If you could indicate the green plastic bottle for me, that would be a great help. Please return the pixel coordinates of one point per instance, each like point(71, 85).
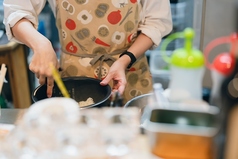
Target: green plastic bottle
point(186, 68)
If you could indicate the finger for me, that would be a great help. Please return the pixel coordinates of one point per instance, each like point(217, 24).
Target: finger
point(119, 86)
point(32, 68)
point(50, 85)
point(106, 80)
point(121, 89)
point(42, 80)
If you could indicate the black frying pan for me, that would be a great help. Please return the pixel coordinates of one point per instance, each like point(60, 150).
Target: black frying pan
point(80, 89)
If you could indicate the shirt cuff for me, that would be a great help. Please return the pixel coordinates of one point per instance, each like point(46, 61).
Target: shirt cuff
point(151, 34)
point(156, 34)
point(13, 19)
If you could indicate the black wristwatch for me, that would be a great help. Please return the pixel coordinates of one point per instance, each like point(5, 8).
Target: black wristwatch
point(132, 57)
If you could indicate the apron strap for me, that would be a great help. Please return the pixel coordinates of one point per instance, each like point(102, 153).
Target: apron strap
point(99, 57)
point(102, 57)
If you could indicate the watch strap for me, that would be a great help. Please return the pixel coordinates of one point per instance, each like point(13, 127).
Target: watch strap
point(132, 57)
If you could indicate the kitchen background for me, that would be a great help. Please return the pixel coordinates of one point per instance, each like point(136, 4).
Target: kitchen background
point(209, 18)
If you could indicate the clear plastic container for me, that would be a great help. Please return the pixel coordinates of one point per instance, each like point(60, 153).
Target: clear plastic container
point(1, 14)
point(159, 68)
point(178, 11)
point(160, 99)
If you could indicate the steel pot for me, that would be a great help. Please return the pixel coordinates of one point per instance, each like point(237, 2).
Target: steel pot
point(141, 102)
point(80, 89)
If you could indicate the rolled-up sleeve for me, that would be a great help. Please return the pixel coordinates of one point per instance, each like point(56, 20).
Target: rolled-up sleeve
point(156, 20)
point(15, 10)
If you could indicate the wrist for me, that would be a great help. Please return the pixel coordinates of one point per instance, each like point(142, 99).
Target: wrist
point(41, 42)
point(131, 59)
point(124, 61)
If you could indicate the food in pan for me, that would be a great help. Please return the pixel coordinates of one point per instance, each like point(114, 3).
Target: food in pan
point(89, 101)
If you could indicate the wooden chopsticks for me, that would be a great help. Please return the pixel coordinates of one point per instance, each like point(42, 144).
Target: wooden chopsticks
point(2, 76)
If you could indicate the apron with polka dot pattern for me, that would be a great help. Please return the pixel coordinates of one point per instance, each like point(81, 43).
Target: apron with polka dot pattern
point(94, 33)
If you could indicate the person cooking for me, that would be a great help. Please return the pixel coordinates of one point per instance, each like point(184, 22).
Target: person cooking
point(104, 39)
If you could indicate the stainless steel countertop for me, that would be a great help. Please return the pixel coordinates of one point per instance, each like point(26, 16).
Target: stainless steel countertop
point(11, 116)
